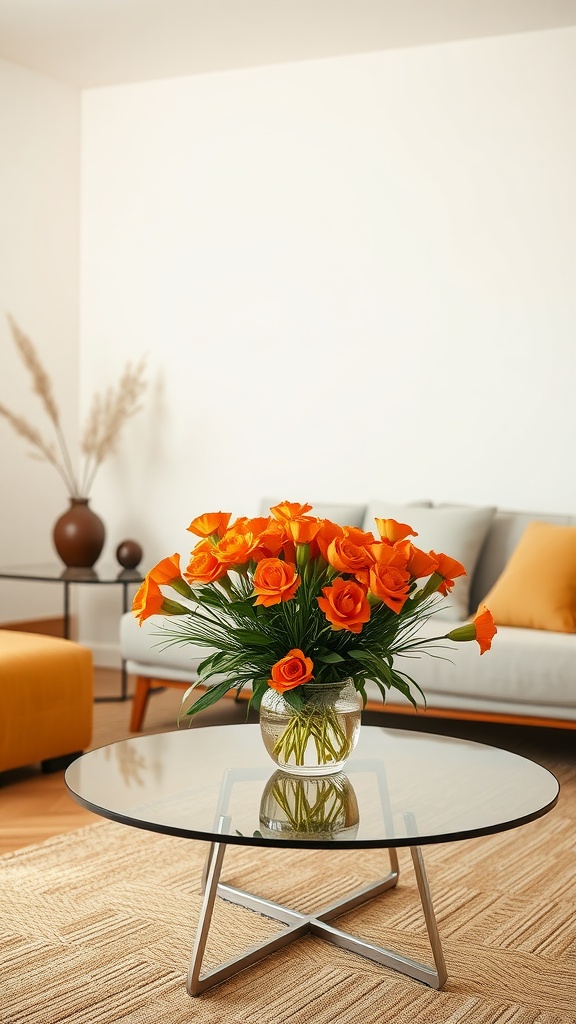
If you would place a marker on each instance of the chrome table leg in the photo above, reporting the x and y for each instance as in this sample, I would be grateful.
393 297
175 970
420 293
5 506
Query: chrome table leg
298 924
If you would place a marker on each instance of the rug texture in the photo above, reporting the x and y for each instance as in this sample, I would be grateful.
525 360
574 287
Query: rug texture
97 926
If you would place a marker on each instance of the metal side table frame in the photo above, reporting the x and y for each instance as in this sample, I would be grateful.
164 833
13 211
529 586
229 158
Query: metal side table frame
67 578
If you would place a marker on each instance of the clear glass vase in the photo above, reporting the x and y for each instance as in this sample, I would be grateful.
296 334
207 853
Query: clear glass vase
318 738
316 807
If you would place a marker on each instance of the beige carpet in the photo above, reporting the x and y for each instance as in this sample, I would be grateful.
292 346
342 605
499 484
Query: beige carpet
96 927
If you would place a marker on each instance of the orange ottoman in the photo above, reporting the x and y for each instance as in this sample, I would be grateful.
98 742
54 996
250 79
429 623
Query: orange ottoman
46 694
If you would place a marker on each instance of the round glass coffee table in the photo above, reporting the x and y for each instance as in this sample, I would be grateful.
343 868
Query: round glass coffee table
400 789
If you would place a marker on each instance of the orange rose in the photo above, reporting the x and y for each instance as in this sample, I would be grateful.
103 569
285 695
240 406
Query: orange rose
236 547
418 562
390 584
449 569
204 566
149 600
485 628
167 574
166 571
482 629
345 605
358 536
291 671
289 510
275 581
391 531
326 534
391 554
345 555
271 537
210 523
258 526
302 531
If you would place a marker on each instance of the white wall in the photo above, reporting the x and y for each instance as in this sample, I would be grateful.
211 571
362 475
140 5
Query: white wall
39 258
354 278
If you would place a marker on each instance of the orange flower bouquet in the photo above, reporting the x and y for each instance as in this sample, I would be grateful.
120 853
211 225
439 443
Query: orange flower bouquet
293 606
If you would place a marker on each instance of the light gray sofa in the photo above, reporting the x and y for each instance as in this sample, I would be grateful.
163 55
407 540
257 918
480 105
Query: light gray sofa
528 677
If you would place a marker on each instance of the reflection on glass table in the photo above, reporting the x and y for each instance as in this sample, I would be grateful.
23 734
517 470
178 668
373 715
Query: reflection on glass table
324 807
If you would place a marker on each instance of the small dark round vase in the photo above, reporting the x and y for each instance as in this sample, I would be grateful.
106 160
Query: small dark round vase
79 535
129 553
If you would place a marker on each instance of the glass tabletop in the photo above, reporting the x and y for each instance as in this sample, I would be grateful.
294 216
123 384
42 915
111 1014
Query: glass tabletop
56 572
400 788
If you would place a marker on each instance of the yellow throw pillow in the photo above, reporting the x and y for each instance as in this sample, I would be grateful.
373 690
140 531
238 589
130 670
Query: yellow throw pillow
537 589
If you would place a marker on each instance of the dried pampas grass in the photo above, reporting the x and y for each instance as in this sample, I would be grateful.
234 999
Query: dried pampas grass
104 424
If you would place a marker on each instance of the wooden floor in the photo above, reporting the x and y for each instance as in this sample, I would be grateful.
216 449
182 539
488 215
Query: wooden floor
34 806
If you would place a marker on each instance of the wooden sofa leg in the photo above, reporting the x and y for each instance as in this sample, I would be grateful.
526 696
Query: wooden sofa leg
140 702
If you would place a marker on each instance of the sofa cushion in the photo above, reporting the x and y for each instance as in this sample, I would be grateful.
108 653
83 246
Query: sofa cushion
147 649
458 531
524 667
503 537
537 589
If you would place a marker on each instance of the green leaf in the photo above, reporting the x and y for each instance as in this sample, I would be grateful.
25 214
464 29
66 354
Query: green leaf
250 636
241 607
210 697
404 688
226 662
211 663
294 699
357 654
381 687
330 658
258 690
362 691
401 679
211 597
372 661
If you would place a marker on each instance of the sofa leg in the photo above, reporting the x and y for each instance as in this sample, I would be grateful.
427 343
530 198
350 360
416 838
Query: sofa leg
140 702
58 764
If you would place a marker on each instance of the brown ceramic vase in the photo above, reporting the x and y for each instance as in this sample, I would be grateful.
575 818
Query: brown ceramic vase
79 535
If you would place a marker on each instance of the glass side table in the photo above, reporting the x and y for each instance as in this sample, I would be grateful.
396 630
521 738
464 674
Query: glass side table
101 575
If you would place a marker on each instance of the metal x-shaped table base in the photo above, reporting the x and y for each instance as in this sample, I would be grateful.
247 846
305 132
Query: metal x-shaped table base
299 924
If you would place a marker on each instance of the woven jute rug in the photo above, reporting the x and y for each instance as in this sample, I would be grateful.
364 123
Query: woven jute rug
96 927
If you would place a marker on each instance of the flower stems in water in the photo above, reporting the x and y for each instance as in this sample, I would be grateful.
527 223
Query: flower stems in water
323 727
